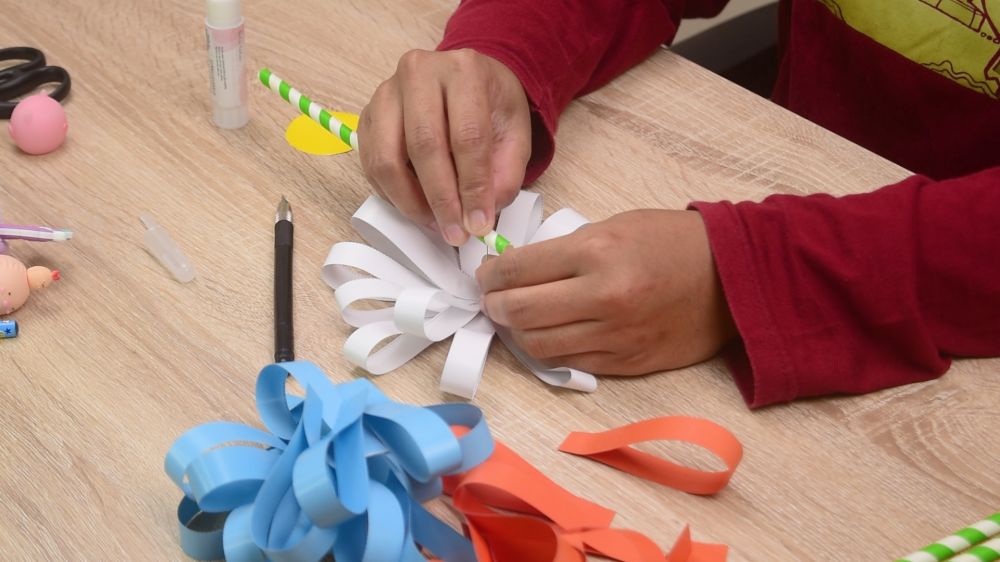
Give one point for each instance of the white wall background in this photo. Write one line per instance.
(735, 8)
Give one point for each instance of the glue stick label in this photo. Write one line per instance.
(227, 76)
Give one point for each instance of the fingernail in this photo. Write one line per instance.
(433, 225)
(487, 314)
(497, 316)
(454, 234)
(477, 220)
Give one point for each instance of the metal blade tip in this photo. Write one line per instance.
(284, 211)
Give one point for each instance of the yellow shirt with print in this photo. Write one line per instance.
(956, 38)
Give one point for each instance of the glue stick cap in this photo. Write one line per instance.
(162, 247)
(224, 14)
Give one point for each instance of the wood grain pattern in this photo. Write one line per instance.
(118, 359)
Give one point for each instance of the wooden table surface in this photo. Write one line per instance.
(117, 359)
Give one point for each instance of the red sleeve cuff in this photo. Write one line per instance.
(761, 365)
(857, 293)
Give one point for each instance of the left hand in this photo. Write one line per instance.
(630, 295)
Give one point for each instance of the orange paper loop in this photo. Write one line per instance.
(507, 482)
(612, 448)
(514, 513)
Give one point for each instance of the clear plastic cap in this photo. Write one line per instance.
(162, 247)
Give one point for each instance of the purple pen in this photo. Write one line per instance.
(34, 233)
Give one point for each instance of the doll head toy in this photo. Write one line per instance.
(17, 282)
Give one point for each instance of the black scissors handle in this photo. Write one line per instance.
(25, 77)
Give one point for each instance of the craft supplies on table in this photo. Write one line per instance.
(345, 470)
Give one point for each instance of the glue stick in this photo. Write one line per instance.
(224, 34)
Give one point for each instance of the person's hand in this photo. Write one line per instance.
(446, 139)
(634, 294)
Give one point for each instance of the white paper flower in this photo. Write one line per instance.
(433, 293)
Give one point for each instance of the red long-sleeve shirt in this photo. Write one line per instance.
(847, 294)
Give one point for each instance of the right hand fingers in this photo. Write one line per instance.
(510, 160)
(448, 135)
(547, 305)
(383, 154)
(471, 137)
(512, 134)
(490, 136)
(425, 126)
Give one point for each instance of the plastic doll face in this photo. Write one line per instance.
(14, 289)
(13, 294)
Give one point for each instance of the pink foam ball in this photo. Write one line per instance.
(38, 124)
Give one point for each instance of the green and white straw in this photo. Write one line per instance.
(951, 545)
(495, 242)
(308, 107)
(317, 113)
(989, 551)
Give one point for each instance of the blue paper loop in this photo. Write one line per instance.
(342, 470)
(201, 533)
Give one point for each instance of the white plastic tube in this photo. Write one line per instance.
(162, 247)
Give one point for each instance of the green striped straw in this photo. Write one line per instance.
(308, 107)
(954, 544)
(495, 242)
(989, 551)
(317, 113)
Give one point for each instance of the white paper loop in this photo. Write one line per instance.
(467, 355)
(431, 314)
(432, 293)
(360, 347)
(359, 290)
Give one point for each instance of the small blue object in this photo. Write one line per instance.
(341, 471)
(8, 329)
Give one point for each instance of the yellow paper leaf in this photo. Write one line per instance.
(310, 137)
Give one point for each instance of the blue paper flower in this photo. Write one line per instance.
(343, 470)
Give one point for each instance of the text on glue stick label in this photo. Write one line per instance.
(225, 59)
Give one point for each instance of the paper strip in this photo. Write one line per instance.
(360, 347)
(612, 448)
(514, 513)
(474, 341)
(432, 293)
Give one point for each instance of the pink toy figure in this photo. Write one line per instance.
(38, 124)
(17, 282)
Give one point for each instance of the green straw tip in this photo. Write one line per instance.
(264, 75)
(502, 244)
